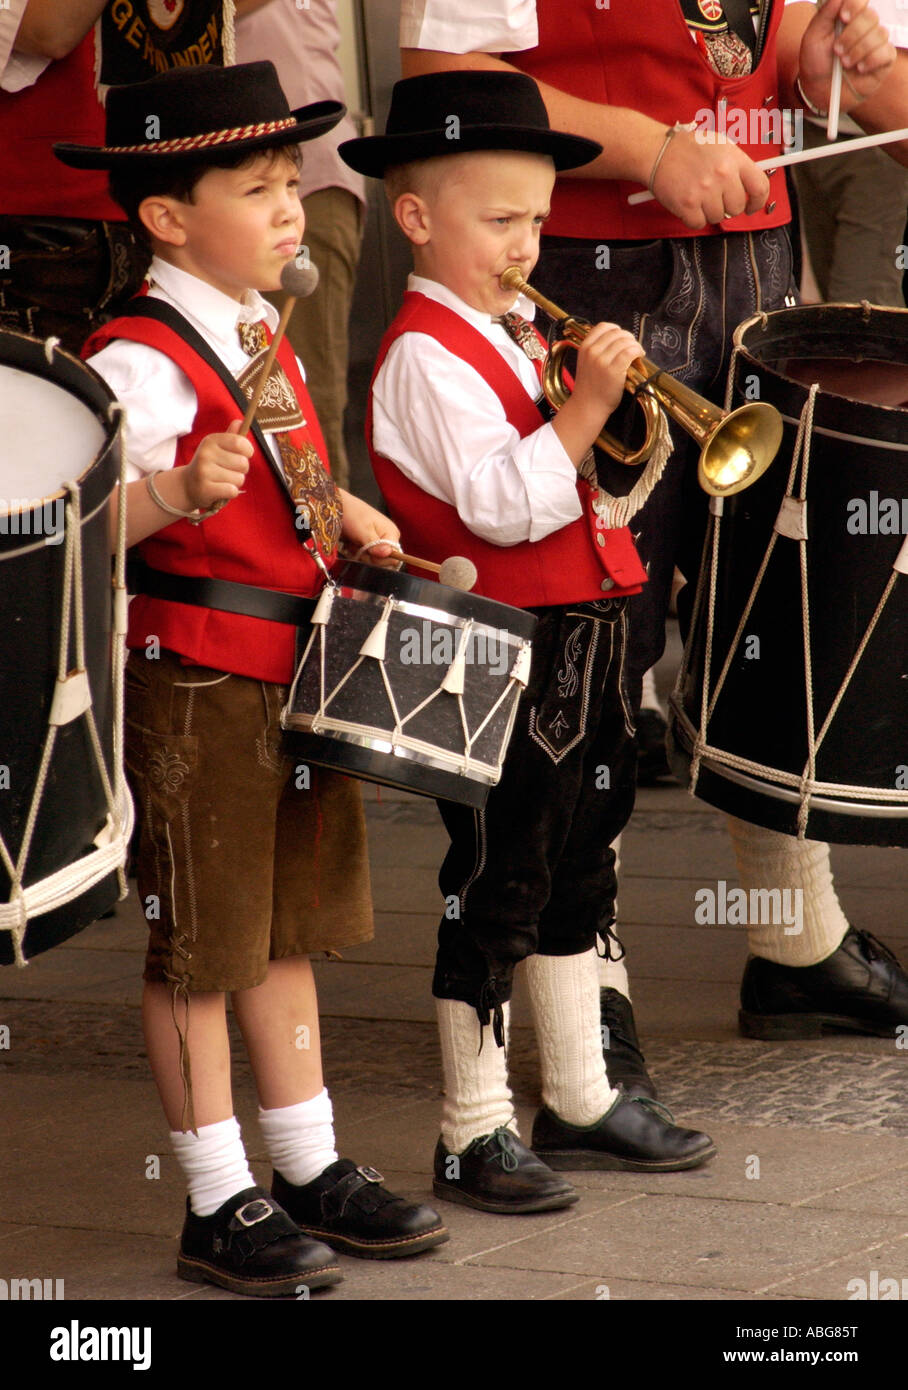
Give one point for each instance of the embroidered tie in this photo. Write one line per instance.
(311, 487)
(524, 335)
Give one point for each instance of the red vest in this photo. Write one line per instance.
(639, 54)
(252, 541)
(570, 565)
(62, 104)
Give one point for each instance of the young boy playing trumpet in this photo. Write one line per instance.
(250, 865)
(468, 464)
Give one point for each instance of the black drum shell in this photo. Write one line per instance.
(73, 806)
(761, 713)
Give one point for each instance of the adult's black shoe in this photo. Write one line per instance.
(624, 1060)
(633, 1136)
(251, 1246)
(348, 1207)
(860, 988)
(498, 1173)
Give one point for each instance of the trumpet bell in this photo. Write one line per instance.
(740, 449)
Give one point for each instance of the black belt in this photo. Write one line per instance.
(222, 594)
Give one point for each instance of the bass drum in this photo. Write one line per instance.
(791, 709)
(65, 814)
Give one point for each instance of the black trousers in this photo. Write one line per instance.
(535, 870)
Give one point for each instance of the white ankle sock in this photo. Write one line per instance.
(767, 859)
(214, 1164)
(300, 1138)
(564, 993)
(477, 1096)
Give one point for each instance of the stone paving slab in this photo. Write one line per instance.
(731, 1245)
(886, 1258)
(622, 1290)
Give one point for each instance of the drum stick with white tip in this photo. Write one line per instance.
(779, 161)
(299, 282)
(457, 571)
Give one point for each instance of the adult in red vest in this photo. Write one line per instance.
(681, 272)
(71, 259)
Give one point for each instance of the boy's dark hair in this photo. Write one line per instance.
(177, 179)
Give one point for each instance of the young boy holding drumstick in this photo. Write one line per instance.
(250, 867)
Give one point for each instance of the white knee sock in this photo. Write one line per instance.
(300, 1138)
(477, 1096)
(214, 1164)
(767, 859)
(649, 698)
(564, 993)
(613, 975)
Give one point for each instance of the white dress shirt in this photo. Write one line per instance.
(445, 428)
(159, 399)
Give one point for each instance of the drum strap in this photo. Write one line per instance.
(223, 594)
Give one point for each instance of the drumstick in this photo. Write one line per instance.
(457, 571)
(835, 95)
(779, 161)
(299, 282)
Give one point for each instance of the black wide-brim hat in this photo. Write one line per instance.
(189, 112)
(454, 112)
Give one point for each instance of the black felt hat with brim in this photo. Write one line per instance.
(456, 112)
(189, 113)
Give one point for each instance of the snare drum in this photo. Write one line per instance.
(410, 683)
(791, 709)
(65, 814)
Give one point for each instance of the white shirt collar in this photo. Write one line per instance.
(208, 307)
(434, 289)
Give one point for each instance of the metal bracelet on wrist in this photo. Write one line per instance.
(805, 99)
(194, 516)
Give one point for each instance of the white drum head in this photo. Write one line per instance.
(48, 436)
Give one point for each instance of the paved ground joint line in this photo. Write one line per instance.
(556, 1226)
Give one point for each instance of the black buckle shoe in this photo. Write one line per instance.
(625, 1064)
(251, 1246)
(497, 1173)
(860, 988)
(347, 1206)
(633, 1136)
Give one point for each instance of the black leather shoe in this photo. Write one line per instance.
(632, 1136)
(860, 988)
(498, 1173)
(624, 1061)
(251, 1246)
(349, 1208)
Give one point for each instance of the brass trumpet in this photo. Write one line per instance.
(736, 446)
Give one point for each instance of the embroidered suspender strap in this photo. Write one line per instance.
(147, 308)
(223, 594)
